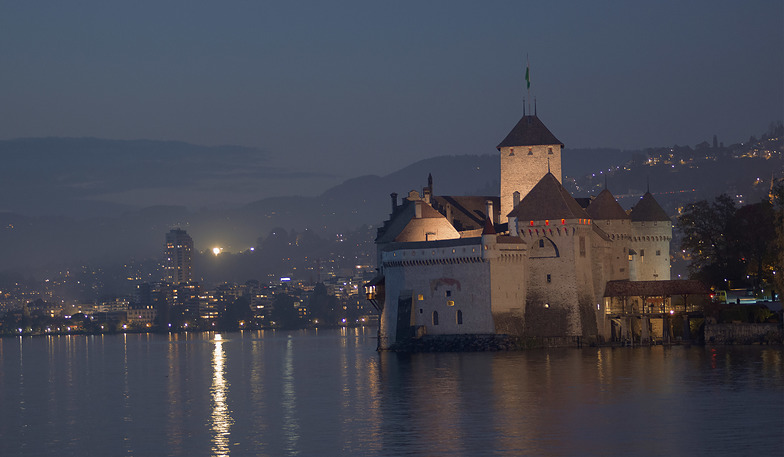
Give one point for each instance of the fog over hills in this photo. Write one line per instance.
(65, 200)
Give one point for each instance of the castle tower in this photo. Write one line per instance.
(649, 249)
(558, 233)
(528, 153)
(610, 217)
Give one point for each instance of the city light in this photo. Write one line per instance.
(216, 250)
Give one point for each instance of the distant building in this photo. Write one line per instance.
(179, 253)
(533, 261)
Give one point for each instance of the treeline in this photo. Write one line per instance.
(734, 247)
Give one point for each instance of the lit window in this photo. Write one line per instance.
(450, 303)
(530, 151)
(420, 297)
(549, 150)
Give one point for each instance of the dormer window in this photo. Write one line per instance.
(511, 151)
(550, 151)
(530, 151)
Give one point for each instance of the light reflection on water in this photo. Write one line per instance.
(221, 416)
(329, 393)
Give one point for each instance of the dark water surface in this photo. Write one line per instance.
(324, 393)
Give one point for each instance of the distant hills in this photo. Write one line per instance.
(66, 200)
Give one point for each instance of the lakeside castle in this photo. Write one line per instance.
(531, 262)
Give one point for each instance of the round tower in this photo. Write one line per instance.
(649, 247)
(528, 153)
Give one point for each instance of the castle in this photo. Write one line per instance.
(532, 262)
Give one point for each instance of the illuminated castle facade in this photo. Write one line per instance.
(533, 261)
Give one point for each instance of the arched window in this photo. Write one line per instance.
(459, 317)
(435, 317)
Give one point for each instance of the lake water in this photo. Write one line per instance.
(325, 393)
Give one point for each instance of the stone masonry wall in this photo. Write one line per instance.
(520, 171)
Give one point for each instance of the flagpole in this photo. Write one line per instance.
(528, 81)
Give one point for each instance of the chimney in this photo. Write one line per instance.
(394, 201)
(515, 199)
(489, 210)
(418, 209)
(426, 195)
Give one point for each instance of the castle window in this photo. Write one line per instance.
(511, 151)
(546, 222)
(420, 297)
(530, 151)
(582, 246)
(448, 293)
(459, 317)
(421, 311)
(550, 151)
(563, 221)
(541, 243)
(450, 303)
(642, 252)
(658, 252)
(549, 279)
(435, 317)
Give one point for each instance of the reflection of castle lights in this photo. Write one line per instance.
(216, 250)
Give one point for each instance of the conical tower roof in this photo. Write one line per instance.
(548, 200)
(606, 207)
(648, 209)
(529, 131)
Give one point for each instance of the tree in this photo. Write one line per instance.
(236, 311)
(755, 227)
(709, 236)
(284, 314)
(778, 262)
(324, 307)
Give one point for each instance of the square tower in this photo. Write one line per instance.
(528, 152)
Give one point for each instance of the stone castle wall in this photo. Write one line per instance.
(651, 242)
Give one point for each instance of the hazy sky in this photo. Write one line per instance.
(368, 87)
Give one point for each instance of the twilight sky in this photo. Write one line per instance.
(361, 87)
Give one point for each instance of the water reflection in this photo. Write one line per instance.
(221, 421)
(289, 403)
(281, 393)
